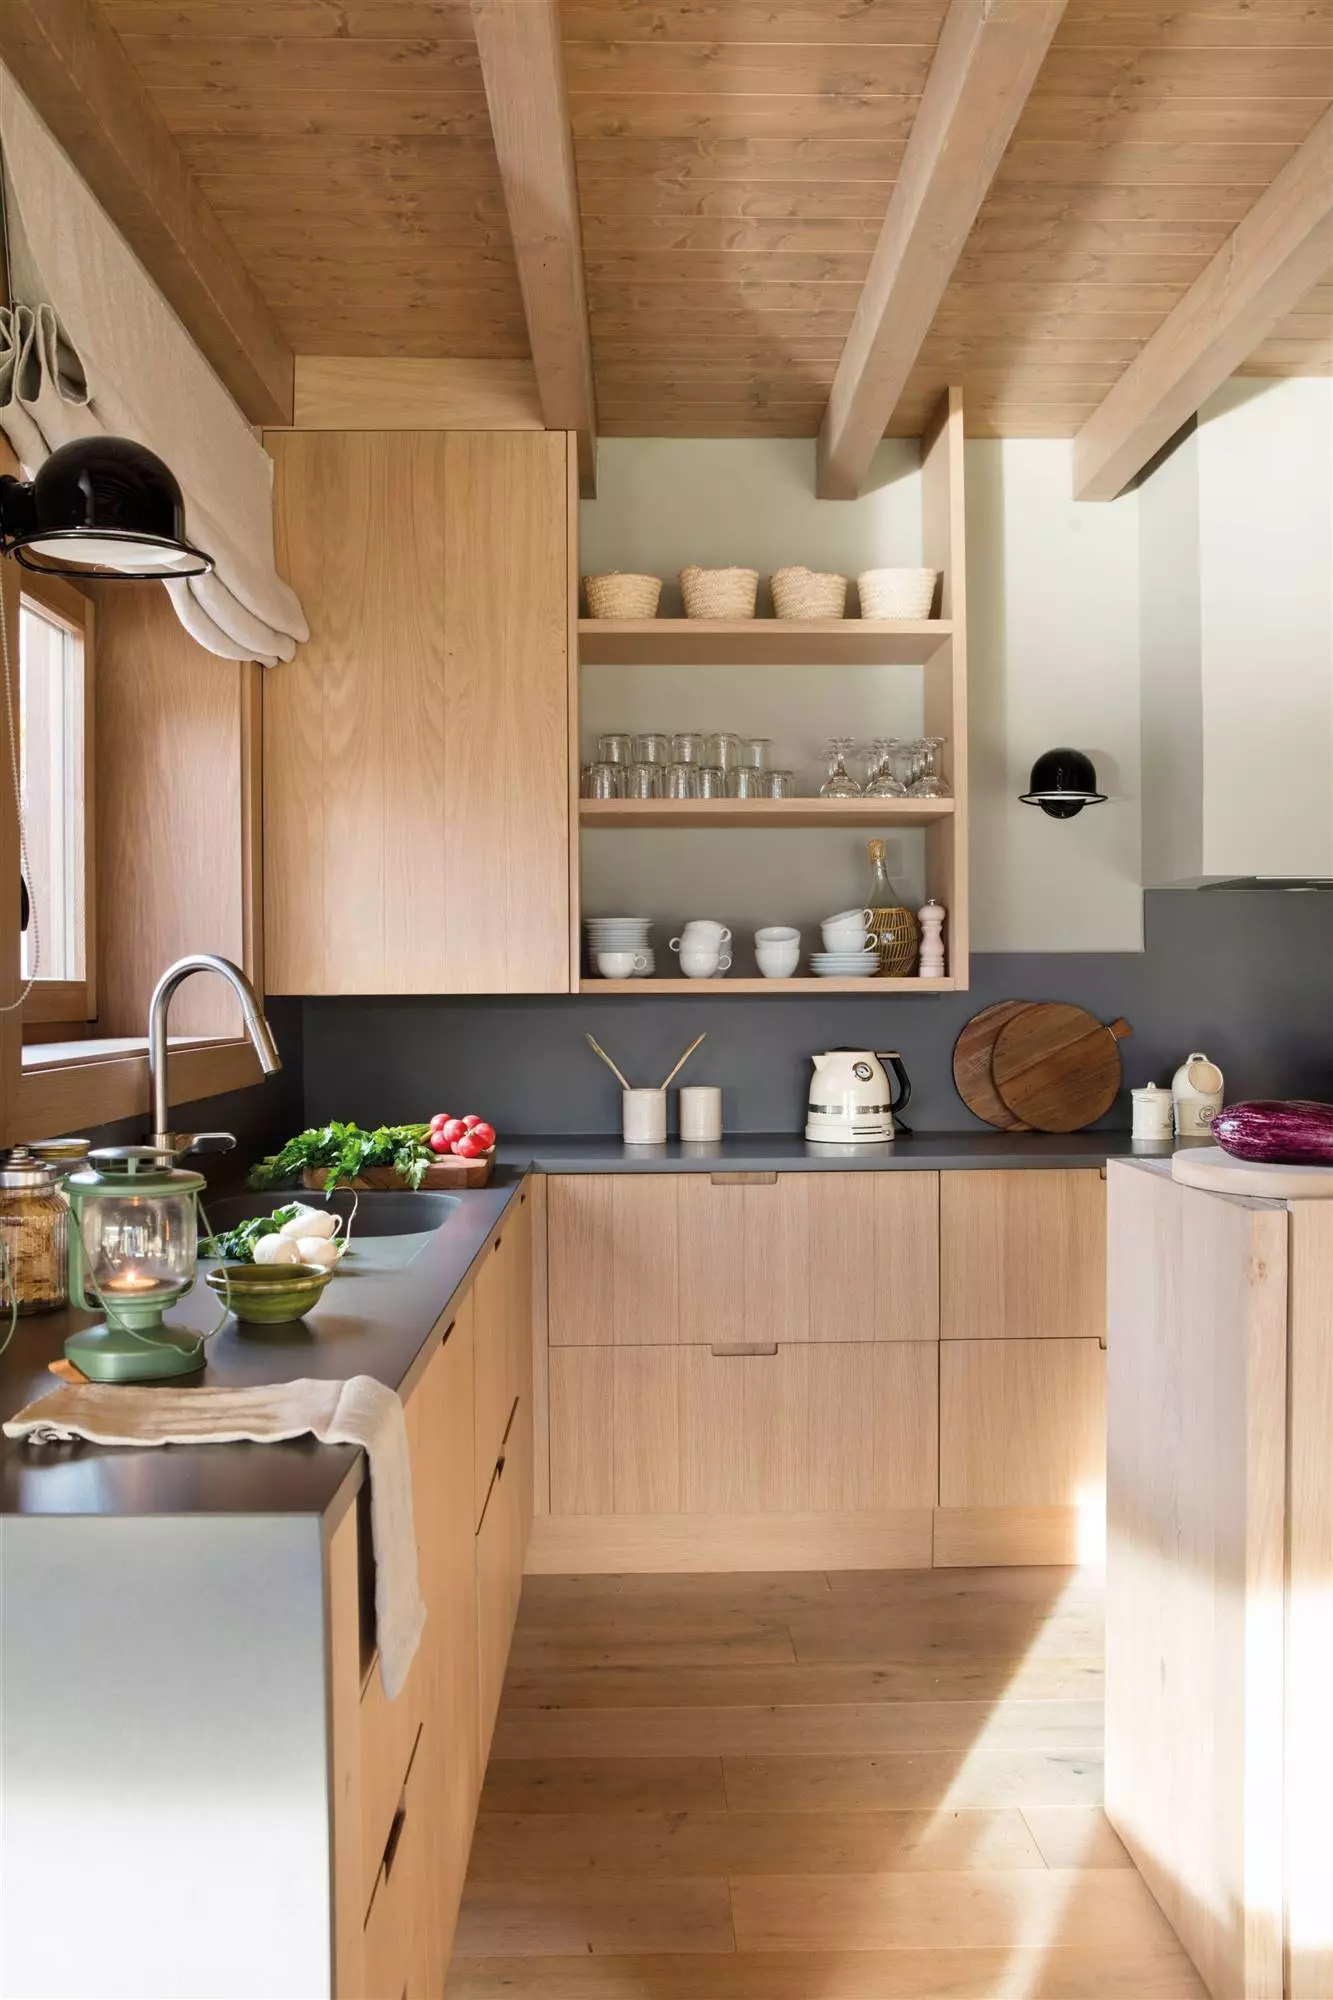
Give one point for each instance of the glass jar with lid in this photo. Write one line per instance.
(34, 1234)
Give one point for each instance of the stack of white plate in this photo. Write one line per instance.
(629, 934)
(844, 964)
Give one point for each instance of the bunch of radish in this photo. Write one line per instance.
(468, 1138)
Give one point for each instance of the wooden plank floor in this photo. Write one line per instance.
(847, 1787)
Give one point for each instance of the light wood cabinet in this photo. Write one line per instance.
(1022, 1423)
(1023, 1255)
(816, 1427)
(399, 1961)
(416, 751)
(502, 1297)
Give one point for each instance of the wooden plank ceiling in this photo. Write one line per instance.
(735, 160)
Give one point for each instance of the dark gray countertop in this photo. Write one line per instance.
(375, 1319)
(781, 1153)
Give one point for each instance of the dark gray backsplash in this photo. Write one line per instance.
(1246, 976)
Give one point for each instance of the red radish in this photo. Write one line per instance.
(453, 1128)
(472, 1119)
(440, 1118)
(438, 1142)
(468, 1148)
(486, 1134)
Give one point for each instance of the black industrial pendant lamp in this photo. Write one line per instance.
(1062, 783)
(99, 507)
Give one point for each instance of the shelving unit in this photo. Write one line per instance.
(936, 647)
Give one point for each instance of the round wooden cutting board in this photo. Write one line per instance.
(1057, 1067)
(1209, 1167)
(972, 1065)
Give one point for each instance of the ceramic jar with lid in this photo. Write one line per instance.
(34, 1234)
(1196, 1093)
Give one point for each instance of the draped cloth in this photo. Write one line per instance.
(90, 346)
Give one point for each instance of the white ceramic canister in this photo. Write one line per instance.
(1152, 1114)
(700, 1111)
(1196, 1091)
(643, 1119)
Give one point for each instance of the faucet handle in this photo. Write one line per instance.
(202, 1142)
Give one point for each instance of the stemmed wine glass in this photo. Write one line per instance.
(839, 784)
(930, 782)
(884, 782)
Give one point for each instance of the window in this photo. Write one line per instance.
(55, 756)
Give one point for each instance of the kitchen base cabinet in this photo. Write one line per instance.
(1023, 1255)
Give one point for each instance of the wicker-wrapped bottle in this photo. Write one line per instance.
(896, 929)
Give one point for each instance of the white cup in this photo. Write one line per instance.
(700, 1111)
(643, 1118)
(701, 930)
(778, 961)
(852, 920)
(704, 963)
(777, 934)
(621, 964)
(839, 937)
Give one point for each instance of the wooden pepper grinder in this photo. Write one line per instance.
(932, 940)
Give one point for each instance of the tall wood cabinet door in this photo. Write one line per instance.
(1022, 1423)
(744, 1261)
(613, 1259)
(1023, 1255)
(355, 727)
(505, 804)
(874, 1254)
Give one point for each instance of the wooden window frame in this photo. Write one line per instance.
(55, 1006)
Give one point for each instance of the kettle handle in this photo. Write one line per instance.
(895, 1062)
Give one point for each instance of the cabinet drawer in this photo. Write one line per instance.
(502, 1306)
(1022, 1423)
(797, 1428)
(397, 1922)
(502, 1541)
(1023, 1255)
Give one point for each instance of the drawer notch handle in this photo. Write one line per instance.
(754, 1350)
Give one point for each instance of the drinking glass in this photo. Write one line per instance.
(585, 781)
(643, 781)
(747, 783)
(724, 750)
(653, 747)
(606, 781)
(931, 782)
(688, 748)
(884, 781)
(682, 781)
(616, 747)
(754, 752)
(839, 784)
(712, 782)
(780, 784)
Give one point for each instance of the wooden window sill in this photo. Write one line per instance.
(66, 1086)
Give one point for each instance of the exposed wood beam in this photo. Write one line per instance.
(1270, 261)
(522, 62)
(985, 64)
(72, 68)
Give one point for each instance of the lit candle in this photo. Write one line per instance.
(131, 1281)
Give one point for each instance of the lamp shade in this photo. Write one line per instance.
(99, 507)
(1063, 782)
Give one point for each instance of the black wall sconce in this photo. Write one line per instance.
(1062, 783)
(101, 507)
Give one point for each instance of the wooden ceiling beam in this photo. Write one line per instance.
(522, 64)
(72, 68)
(985, 64)
(1271, 260)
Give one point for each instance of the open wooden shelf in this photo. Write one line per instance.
(764, 812)
(726, 984)
(760, 642)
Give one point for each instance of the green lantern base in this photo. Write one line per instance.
(149, 1353)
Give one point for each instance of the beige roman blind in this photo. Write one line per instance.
(89, 345)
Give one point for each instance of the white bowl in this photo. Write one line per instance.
(778, 961)
(777, 934)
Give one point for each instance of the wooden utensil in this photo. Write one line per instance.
(598, 1050)
(684, 1059)
(1057, 1067)
(972, 1054)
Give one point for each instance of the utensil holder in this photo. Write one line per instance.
(700, 1111)
(643, 1117)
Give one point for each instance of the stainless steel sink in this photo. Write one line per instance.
(379, 1213)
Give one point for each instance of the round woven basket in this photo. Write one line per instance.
(807, 593)
(622, 595)
(719, 593)
(897, 593)
(900, 941)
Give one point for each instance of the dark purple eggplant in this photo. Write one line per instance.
(1280, 1132)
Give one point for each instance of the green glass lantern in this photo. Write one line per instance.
(132, 1254)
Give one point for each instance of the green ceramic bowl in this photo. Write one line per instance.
(269, 1294)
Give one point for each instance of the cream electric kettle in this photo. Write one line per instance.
(851, 1099)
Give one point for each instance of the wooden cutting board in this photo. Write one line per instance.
(972, 1065)
(447, 1172)
(1057, 1067)
(1209, 1167)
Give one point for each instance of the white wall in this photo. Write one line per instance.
(1053, 659)
(1171, 656)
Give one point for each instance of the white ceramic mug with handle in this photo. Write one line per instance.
(621, 964)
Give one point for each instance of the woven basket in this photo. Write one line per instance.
(719, 593)
(897, 593)
(622, 595)
(897, 957)
(808, 593)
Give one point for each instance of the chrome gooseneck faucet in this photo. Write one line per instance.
(256, 1027)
